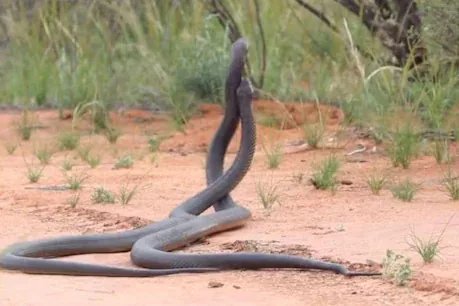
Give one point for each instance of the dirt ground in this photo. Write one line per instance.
(351, 226)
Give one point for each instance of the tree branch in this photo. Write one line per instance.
(318, 14)
(263, 44)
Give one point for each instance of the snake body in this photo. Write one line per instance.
(150, 245)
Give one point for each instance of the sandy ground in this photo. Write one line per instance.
(352, 226)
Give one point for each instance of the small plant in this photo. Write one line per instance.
(83, 152)
(126, 194)
(34, 173)
(269, 121)
(112, 134)
(10, 148)
(313, 134)
(93, 160)
(325, 175)
(153, 144)
(376, 183)
(428, 250)
(125, 161)
(267, 192)
(298, 177)
(73, 200)
(44, 155)
(405, 190)
(68, 140)
(102, 195)
(404, 148)
(441, 151)
(74, 181)
(397, 268)
(24, 127)
(451, 182)
(67, 165)
(274, 156)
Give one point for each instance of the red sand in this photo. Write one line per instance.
(352, 226)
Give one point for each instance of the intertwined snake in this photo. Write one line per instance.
(151, 244)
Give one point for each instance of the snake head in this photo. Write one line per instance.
(240, 46)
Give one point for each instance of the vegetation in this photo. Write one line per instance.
(451, 182)
(405, 190)
(68, 140)
(92, 57)
(10, 148)
(102, 195)
(34, 173)
(44, 154)
(126, 194)
(268, 194)
(376, 183)
(273, 156)
(75, 180)
(325, 175)
(397, 268)
(125, 161)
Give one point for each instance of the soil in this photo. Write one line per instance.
(351, 226)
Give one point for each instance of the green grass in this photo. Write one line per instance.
(441, 152)
(93, 160)
(68, 140)
(67, 165)
(405, 190)
(125, 161)
(171, 56)
(268, 194)
(273, 156)
(112, 134)
(153, 144)
(102, 195)
(10, 148)
(34, 173)
(397, 268)
(427, 249)
(126, 194)
(313, 134)
(324, 176)
(376, 183)
(44, 154)
(74, 200)
(404, 147)
(451, 183)
(75, 181)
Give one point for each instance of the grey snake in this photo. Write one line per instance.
(151, 244)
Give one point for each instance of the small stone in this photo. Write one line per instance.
(236, 287)
(213, 284)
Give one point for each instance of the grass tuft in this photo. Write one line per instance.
(376, 183)
(268, 194)
(397, 268)
(102, 195)
(273, 156)
(125, 161)
(325, 175)
(68, 140)
(405, 190)
(451, 182)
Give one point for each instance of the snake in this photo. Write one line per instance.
(37, 257)
(150, 246)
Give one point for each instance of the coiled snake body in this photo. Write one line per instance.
(150, 245)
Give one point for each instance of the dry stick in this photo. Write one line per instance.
(333, 27)
(263, 44)
(318, 14)
(226, 20)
